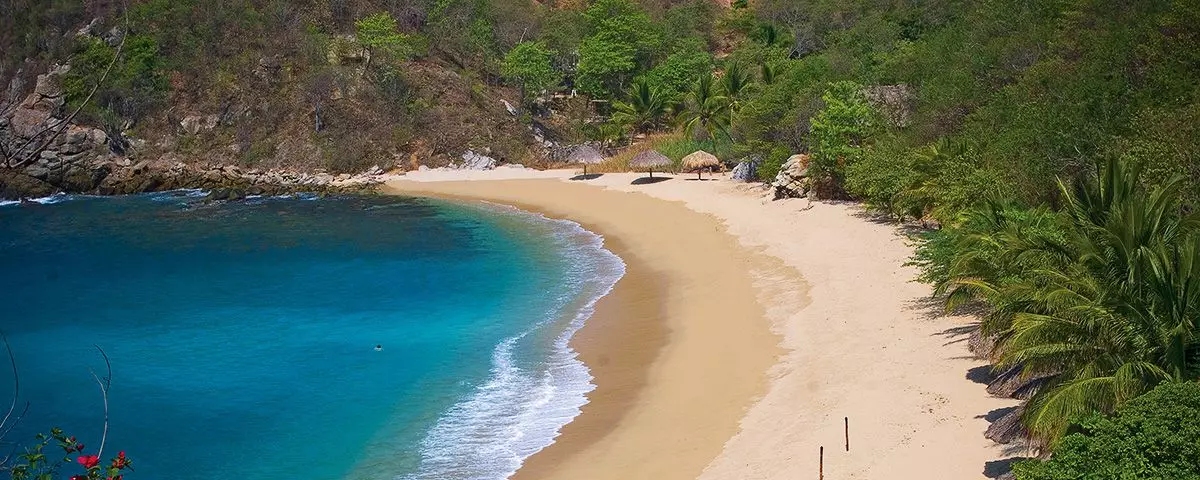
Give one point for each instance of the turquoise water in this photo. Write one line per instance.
(241, 335)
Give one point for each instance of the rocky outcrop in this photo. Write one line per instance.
(80, 160)
(45, 152)
(194, 124)
(745, 171)
(232, 182)
(792, 180)
(476, 161)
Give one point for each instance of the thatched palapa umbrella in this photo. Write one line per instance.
(585, 155)
(649, 160)
(699, 160)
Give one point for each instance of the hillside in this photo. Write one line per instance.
(1052, 148)
(257, 84)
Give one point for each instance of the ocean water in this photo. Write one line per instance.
(241, 335)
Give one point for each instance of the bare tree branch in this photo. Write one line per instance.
(104, 382)
(5, 426)
(58, 127)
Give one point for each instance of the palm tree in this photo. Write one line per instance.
(1109, 306)
(645, 109)
(734, 87)
(705, 109)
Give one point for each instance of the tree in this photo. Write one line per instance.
(1098, 311)
(706, 111)
(734, 87)
(838, 132)
(529, 65)
(645, 109)
(378, 35)
(604, 63)
(1156, 435)
(621, 37)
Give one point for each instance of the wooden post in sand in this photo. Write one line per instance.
(821, 465)
(847, 434)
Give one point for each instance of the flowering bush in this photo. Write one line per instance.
(34, 464)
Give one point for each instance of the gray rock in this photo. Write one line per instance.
(38, 171)
(195, 124)
(792, 179)
(745, 171)
(113, 37)
(50, 84)
(477, 161)
(89, 28)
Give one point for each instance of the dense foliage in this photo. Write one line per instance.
(1056, 143)
(1097, 303)
(1156, 435)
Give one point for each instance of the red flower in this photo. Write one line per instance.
(120, 462)
(88, 461)
(78, 477)
(79, 447)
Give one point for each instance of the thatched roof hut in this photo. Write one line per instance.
(1016, 383)
(698, 161)
(649, 160)
(1008, 428)
(585, 155)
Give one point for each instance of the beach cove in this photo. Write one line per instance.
(745, 332)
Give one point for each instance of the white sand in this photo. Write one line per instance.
(866, 344)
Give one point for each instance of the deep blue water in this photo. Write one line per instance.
(241, 335)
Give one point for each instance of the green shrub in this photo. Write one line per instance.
(772, 163)
(1156, 435)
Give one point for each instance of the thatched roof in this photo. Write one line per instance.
(981, 345)
(1007, 428)
(586, 155)
(649, 159)
(1016, 383)
(700, 159)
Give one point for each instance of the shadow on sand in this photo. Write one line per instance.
(998, 468)
(590, 176)
(648, 180)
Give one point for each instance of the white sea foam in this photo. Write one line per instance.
(53, 199)
(5, 203)
(519, 411)
(175, 195)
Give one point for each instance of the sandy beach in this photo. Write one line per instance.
(743, 335)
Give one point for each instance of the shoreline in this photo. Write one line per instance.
(664, 318)
(853, 337)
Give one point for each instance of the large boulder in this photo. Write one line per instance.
(792, 180)
(477, 161)
(195, 124)
(746, 170)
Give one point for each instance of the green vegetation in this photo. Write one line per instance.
(1055, 144)
(1097, 302)
(135, 85)
(529, 65)
(1156, 435)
